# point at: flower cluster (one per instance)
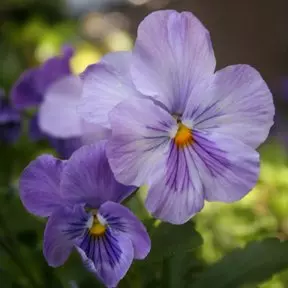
(170, 121)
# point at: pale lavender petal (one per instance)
(39, 185)
(140, 136)
(24, 93)
(122, 220)
(64, 228)
(58, 115)
(108, 257)
(104, 86)
(87, 178)
(173, 51)
(228, 168)
(176, 190)
(235, 102)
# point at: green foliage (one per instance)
(255, 263)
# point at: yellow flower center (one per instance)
(183, 136)
(97, 229)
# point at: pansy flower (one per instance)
(10, 121)
(187, 131)
(81, 198)
(52, 82)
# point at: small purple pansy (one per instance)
(81, 198)
(37, 86)
(187, 131)
(10, 121)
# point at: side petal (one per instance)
(24, 93)
(58, 115)
(176, 192)
(236, 102)
(39, 185)
(34, 131)
(87, 178)
(173, 51)
(228, 168)
(140, 136)
(104, 86)
(64, 228)
(108, 257)
(122, 220)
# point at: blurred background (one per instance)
(233, 250)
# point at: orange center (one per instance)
(183, 136)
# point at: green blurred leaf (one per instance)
(253, 264)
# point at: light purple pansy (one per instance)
(55, 91)
(177, 125)
(10, 121)
(81, 198)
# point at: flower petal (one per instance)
(173, 51)
(24, 93)
(122, 220)
(140, 136)
(236, 102)
(228, 168)
(176, 191)
(108, 257)
(106, 85)
(39, 185)
(87, 178)
(35, 133)
(58, 115)
(65, 147)
(64, 228)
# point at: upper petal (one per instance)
(228, 168)
(24, 93)
(87, 178)
(235, 102)
(173, 51)
(39, 185)
(64, 228)
(140, 135)
(58, 115)
(106, 84)
(122, 220)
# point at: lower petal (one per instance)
(122, 220)
(64, 227)
(108, 257)
(228, 168)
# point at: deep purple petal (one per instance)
(105, 85)
(235, 102)
(173, 51)
(65, 147)
(58, 115)
(122, 220)
(39, 185)
(64, 228)
(176, 190)
(87, 178)
(24, 93)
(140, 135)
(10, 121)
(108, 257)
(228, 168)
(35, 133)
(60, 65)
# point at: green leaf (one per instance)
(253, 264)
(168, 240)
